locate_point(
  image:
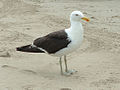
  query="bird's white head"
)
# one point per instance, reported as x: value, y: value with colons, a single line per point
x: 77, y: 16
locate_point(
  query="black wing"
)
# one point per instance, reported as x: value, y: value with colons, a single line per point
x: 53, y: 42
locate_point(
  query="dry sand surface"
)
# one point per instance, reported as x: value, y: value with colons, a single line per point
x: 97, y: 61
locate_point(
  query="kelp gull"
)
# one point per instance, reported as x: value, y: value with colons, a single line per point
x: 60, y: 43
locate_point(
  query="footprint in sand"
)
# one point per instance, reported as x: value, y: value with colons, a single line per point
x: 65, y: 89
x: 28, y: 87
x: 4, y: 54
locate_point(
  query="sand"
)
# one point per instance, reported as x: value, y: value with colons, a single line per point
x: 97, y: 60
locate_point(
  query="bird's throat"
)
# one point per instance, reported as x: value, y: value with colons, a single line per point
x: 76, y: 28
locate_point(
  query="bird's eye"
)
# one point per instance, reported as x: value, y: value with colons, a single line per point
x: 76, y: 15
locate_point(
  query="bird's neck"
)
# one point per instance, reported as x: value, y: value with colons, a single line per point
x: 75, y: 32
x: 76, y: 28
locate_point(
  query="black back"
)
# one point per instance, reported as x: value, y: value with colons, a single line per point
x: 53, y: 42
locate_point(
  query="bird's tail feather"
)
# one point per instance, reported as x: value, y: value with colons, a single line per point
x: 29, y: 48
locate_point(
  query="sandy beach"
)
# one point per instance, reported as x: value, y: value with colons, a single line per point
x: 97, y: 61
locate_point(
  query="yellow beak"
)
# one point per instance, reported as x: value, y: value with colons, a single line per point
x: 86, y: 19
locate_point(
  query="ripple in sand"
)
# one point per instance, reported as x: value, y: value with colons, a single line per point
x: 28, y: 71
x: 10, y: 67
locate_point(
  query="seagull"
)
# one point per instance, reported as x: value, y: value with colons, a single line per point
x: 60, y: 43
